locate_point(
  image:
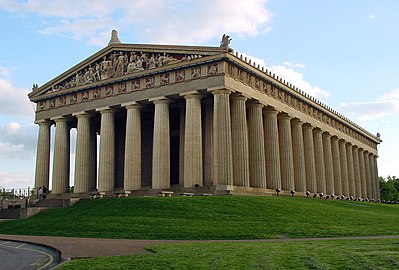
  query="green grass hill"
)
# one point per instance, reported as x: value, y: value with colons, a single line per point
x: 216, y: 217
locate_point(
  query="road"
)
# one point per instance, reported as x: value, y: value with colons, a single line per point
x: 19, y: 255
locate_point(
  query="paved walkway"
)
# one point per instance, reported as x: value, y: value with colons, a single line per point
x: 73, y: 247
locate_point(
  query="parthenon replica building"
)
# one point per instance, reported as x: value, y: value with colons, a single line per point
x: 153, y: 118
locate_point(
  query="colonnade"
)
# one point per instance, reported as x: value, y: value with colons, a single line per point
x: 246, y: 144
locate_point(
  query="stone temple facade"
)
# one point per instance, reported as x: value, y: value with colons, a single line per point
x: 194, y: 119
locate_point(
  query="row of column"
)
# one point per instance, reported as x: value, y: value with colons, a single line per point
x: 249, y: 145
x: 273, y: 150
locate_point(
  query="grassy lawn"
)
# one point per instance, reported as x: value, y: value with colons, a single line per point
x: 225, y: 217
x: 332, y: 254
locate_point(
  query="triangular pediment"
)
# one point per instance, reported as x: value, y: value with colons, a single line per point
x: 119, y: 61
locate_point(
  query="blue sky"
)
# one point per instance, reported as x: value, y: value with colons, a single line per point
x: 344, y: 53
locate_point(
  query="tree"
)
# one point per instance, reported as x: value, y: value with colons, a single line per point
x: 389, y: 188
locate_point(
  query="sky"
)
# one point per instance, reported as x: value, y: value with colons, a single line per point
x: 343, y: 52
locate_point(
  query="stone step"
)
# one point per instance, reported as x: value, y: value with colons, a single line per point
x: 12, y: 213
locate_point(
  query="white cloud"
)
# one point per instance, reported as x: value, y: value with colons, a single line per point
x: 297, y: 79
x: 160, y: 21
x: 385, y: 105
x: 14, y: 101
x: 291, y: 76
x: 15, y: 180
x: 371, y: 17
x: 17, y: 142
x: 289, y: 64
x: 5, y: 72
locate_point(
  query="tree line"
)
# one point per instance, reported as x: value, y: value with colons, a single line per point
x: 389, y: 188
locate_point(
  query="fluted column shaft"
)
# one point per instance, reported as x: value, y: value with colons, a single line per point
x: 286, y: 155
x: 106, y: 170
x: 310, y: 164
x: 298, y: 155
x: 273, y: 169
x: 372, y: 178
x: 362, y: 173
x: 93, y: 145
x: 336, y: 166
x: 161, y: 145
x: 61, y: 160
x: 239, y: 134
x: 351, y: 170
x: 368, y: 175
x: 319, y: 157
x: 132, y: 170
x: 83, y: 156
x: 193, y: 142
x: 42, y: 173
x: 356, y: 169
x: 223, y: 163
x: 376, y: 178
x: 328, y: 163
x: 344, y: 168
x: 182, y: 130
x: 257, y: 160
x: 208, y: 144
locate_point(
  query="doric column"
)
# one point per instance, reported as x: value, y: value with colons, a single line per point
x: 372, y: 177
x: 132, y: 170
x: 351, y: 170
x: 83, y: 156
x: 362, y: 173
x: 328, y: 163
x: 336, y: 166
x: 193, y: 141
x: 93, y: 145
x: 273, y: 170
x: 310, y: 164
x: 368, y: 175
x: 356, y: 169
x: 239, y: 135
x: 42, y: 173
x: 106, y: 170
x: 208, y: 143
x: 298, y: 155
x: 182, y: 129
x: 61, y: 156
x: 319, y: 157
x: 376, y: 178
x: 161, y: 145
x: 286, y: 156
x: 344, y: 167
x: 223, y: 163
x: 257, y: 160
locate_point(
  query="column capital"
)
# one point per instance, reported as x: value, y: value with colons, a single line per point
x: 44, y: 122
x: 82, y: 114
x: 60, y: 119
x: 217, y: 89
x: 220, y: 91
x: 254, y: 104
x: 159, y: 100
x: 106, y: 110
x: 284, y: 115
x: 132, y: 104
x: 239, y: 96
x: 308, y: 126
x: 297, y: 121
x: 192, y: 94
x: 270, y: 110
x: 334, y: 138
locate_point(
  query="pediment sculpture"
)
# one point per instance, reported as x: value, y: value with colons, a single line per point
x: 119, y: 63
